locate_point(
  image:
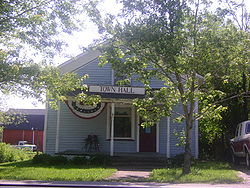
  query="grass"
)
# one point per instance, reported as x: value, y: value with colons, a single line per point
x: 27, y: 171
x: 202, y: 172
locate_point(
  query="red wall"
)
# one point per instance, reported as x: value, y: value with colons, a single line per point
x: 13, y: 136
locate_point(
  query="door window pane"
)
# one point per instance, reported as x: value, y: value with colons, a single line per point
x: 147, y: 130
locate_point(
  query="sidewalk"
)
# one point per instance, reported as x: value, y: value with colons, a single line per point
x: 130, y: 175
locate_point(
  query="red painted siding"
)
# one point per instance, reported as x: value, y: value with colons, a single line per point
x: 33, y: 137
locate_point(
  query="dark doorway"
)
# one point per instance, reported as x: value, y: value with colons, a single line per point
x: 147, y: 139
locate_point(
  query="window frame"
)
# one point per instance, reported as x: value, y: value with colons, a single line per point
x: 108, y: 132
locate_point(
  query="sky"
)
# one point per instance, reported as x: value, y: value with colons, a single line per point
x: 78, y: 40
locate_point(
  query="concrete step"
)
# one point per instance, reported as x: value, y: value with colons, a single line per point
x: 138, y: 162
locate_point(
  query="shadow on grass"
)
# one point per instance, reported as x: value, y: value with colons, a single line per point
x: 201, y: 172
x: 213, y: 165
x: 29, y: 163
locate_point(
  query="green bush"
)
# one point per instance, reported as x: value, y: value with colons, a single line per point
x: 42, y: 159
x: 58, y: 160
x: 99, y: 159
x: 177, y: 161
x: 79, y: 160
x: 10, y: 154
x: 50, y: 160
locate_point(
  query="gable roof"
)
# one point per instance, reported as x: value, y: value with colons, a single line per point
x: 27, y: 111
x: 79, y: 61
x: 33, y: 122
x: 34, y: 119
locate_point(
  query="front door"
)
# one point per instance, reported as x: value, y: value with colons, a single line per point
x: 147, y: 139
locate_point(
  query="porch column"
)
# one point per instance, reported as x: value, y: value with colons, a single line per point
x: 112, y: 129
x: 58, y: 127
x: 196, y: 125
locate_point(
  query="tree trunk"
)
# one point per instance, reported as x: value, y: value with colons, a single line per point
x: 187, y: 155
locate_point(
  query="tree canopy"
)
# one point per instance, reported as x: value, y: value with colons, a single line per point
x: 29, y: 39
x: 186, y: 46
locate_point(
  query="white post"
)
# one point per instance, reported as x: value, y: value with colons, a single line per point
x: 45, y: 127
x: 168, y: 137
x: 112, y: 130
x: 33, y: 136
x: 58, y: 128
x: 138, y: 134
x: 196, y: 125
x: 157, y: 137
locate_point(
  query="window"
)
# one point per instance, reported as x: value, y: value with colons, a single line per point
x: 236, y: 132
x: 123, y: 122
x: 247, y: 128
x: 240, y: 127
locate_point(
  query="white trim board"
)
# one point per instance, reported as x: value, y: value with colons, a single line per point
x: 79, y: 61
x: 58, y: 128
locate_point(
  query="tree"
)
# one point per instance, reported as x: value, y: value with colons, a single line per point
x: 29, y: 37
x: 238, y: 13
x: 215, y: 135
x: 184, y: 45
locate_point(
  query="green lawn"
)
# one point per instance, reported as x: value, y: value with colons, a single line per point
x: 28, y: 171
x: 202, y: 172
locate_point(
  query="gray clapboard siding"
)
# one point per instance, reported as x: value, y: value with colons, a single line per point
x: 163, y: 135
x: 125, y: 146
x: 73, y: 130
x: 97, y: 75
x: 103, y: 75
x: 178, y: 127
x: 174, y: 140
x: 154, y: 83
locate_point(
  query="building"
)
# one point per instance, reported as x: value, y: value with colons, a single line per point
x: 114, y: 122
x: 31, y: 129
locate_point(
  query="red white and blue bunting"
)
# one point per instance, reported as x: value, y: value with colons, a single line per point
x: 85, y: 111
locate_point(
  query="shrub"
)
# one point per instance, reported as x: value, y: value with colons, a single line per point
x: 58, y: 160
x: 99, y: 159
x: 11, y: 154
x: 177, y: 161
x: 42, y: 159
x: 79, y: 160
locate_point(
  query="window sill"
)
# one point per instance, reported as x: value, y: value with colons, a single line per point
x: 121, y: 139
